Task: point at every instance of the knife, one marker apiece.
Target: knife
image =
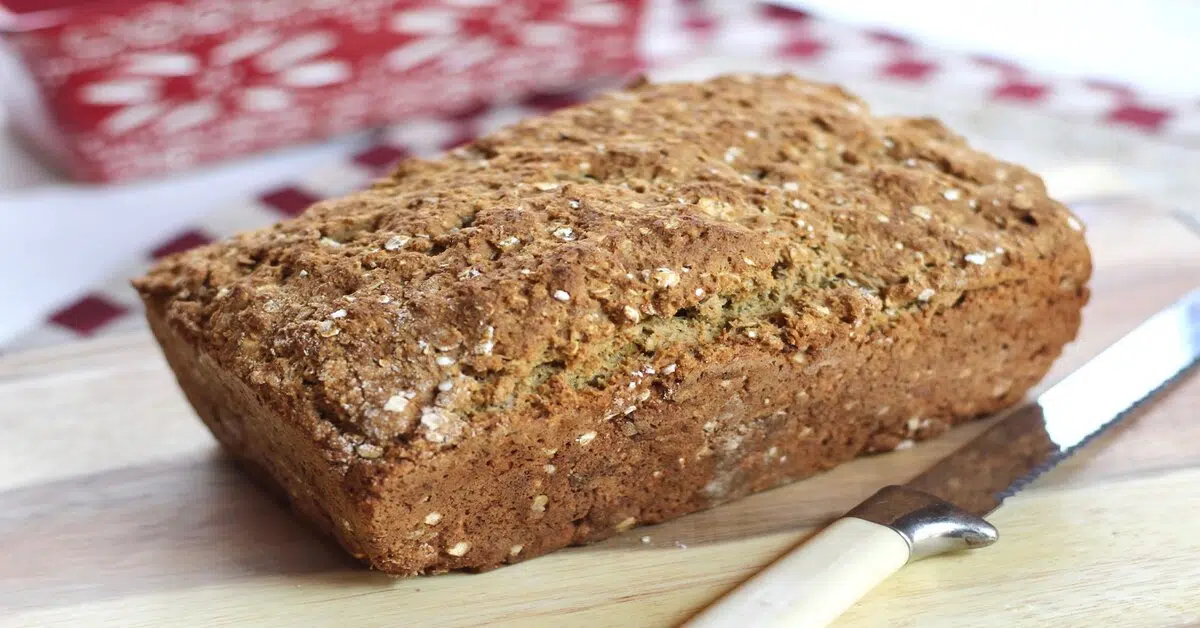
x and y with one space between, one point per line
942 509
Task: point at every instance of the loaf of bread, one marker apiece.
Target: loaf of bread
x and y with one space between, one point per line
618 314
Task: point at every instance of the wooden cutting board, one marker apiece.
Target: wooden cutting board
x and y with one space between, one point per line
116 508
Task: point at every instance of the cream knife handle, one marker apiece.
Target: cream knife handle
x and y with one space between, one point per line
815 583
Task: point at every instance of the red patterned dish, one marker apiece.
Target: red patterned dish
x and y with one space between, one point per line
123 89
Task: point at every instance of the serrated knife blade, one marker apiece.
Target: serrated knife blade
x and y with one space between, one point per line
1034 438
941 509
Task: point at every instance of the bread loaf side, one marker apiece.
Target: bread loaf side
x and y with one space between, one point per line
620 313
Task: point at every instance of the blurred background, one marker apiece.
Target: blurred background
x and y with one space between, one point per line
130 129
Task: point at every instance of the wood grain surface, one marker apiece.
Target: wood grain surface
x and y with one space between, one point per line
116 508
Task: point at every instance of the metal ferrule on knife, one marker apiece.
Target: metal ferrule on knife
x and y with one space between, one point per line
929 525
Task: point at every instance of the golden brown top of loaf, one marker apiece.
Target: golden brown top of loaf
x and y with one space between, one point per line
535 263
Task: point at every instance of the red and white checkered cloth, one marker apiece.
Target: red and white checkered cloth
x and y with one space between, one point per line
1000 106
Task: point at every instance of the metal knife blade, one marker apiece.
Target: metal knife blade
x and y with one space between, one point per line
1034 438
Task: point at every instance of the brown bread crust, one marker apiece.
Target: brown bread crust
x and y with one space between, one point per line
620 313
